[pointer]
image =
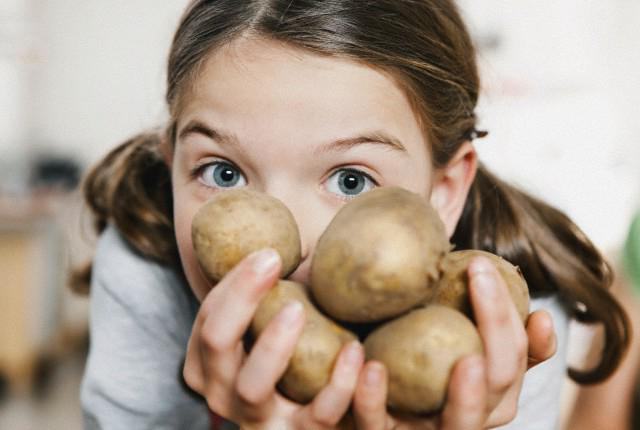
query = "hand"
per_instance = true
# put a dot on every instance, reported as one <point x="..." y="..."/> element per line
<point x="241" y="387"/>
<point x="483" y="390"/>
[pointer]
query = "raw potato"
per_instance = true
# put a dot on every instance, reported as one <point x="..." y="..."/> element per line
<point x="236" y="223"/>
<point x="419" y="351"/>
<point x="453" y="289"/>
<point x="379" y="256"/>
<point x="384" y="254"/>
<point x="312" y="362"/>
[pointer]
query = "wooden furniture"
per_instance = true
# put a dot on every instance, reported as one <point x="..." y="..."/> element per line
<point x="32" y="276"/>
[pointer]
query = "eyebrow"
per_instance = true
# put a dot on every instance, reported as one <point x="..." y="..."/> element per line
<point x="198" y="127"/>
<point x="375" y="137"/>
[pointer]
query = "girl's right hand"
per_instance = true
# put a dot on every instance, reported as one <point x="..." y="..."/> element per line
<point x="242" y="387"/>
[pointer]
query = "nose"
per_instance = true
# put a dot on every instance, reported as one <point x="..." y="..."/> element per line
<point x="302" y="273"/>
<point x="310" y="219"/>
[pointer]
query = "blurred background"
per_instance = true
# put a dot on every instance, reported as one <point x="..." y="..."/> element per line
<point x="561" y="88"/>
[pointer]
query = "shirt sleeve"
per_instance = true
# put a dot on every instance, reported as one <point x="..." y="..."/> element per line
<point x="140" y="319"/>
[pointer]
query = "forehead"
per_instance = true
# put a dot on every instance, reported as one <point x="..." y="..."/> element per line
<point x="273" y="86"/>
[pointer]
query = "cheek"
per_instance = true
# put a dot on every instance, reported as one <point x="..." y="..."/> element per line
<point x="184" y="211"/>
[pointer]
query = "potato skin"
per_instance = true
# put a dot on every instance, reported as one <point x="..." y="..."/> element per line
<point x="453" y="287"/>
<point x="321" y="340"/>
<point x="235" y="223"/>
<point x="379" y="256"/>
<point x="419" y="350"/>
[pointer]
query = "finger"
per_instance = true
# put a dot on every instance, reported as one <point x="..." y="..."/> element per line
<point x="466" y="407"/>
<point x="332" y="401"/>
<point x="369" y="403"/>
<point x="215" y="390"/>
<point x="542" y="337"/>
<point x="270" y="356"/>
<point x="228" y="310"/>
<point x="500" y="328"/>
<point x="192" y="371"/>
<point x="230" y="306"/>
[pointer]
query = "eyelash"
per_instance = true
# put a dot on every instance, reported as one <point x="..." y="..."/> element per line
<point x="197" y="170"/>
<point x="351" y="170"/>
<point x="346" y="168"/>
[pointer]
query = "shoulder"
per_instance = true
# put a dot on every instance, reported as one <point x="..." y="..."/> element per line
<point x="140" y="321"/>
<point x="116" y="259"/>
<point x="125" y="286"/>
<point x="128" y="277"/>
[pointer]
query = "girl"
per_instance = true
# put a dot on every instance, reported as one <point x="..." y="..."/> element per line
<point x="315" y="102"/>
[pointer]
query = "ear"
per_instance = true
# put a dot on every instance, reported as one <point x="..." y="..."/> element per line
<point x="451" y="185"/>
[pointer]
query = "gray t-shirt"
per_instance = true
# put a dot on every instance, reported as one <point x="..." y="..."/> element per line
<point x="141" y="318"/>
<point x="140" y="321"/>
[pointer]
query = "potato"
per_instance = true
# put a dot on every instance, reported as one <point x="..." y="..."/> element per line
<point x="382" y="268"/>
<point x="453" y="288"/>
<point x="419" y="350"/>
<point x="379" y="256"/>
<point x="236" y="223"/>
<point x="312" y="362"/>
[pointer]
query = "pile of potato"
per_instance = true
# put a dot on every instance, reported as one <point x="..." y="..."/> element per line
<point x="383" y="272"/>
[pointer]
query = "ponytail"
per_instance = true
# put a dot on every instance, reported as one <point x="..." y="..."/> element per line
<point x="554" y="256"/>
<point x="131" y="188"/>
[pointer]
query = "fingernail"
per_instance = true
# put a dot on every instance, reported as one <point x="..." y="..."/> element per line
<point x="373" y="375"/>
<point x="353" y="353"/>
<point x="290" y="314"/>
<point x="264" y="261"/>
<point x="482" y="277"/>
<point x="480" y="265"/>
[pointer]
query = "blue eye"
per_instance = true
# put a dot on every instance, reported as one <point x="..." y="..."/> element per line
<point x="349" y="182"/>
<point x="222" y="175"/>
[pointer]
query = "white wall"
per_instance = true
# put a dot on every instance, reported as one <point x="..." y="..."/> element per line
<point x="101" y="75"/>
<point x="14" y="28"/>
<point x="560" y="98"/>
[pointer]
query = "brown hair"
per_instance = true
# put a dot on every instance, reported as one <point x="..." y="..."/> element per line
<point x="425" y="46"/>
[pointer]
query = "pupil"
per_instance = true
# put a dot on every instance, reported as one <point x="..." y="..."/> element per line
<point x="351" y="182"/>
<point x="227" y="175"/>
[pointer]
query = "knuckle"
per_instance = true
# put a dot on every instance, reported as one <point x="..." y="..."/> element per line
<point x="325" y="413"/>
<point x="192" y="379"/>
<point x="248" y="394"/>
<point x="365" y="403"/>
<point x="505" y="415"/>
<point x="217" y="399"/>
<point x="268" y="345"/>
<point x="503" y="317"/>
<point x="326" y="420"/>
<point x="341" y="387"/>
<point x="471" y="404"/>
<point x="215" y="404"/>
<point x="502" y="382"/>
<point x="216" y="342"/>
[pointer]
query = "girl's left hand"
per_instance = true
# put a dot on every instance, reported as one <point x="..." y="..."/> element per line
<point x="483" y="390"/>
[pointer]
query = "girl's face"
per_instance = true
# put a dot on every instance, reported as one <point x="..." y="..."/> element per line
<point x="311" y="131"/>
